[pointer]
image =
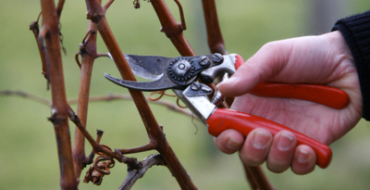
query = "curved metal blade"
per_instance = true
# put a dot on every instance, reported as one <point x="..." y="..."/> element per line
<point x="161" y="84"/>
<point x="147" y="67"/>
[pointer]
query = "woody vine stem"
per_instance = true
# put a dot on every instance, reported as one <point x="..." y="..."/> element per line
<point x="72" y="157"/>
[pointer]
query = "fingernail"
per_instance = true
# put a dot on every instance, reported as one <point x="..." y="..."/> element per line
<point x="261" y="139"/>
<point x="285" y="142"/>
<point x="234" y="144"/>
<point x="302" y="156"/>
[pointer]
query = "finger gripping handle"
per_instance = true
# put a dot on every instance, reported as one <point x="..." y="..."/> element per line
<point x="223" y="119"/>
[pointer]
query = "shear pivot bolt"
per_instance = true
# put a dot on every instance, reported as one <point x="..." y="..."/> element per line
<point x="181" y="67"/>
<point x="217" y="58"/>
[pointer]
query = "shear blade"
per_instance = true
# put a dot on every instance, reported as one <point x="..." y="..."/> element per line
<point x="163" y="83"/>
<point x="147" y="67"/>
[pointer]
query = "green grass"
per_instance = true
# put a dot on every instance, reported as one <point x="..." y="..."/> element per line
<point x="27" y="141"/>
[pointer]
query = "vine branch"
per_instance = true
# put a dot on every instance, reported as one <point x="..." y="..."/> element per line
<point x="137" y="173"/>
<point x="50" y="35"/>
<point x="173" y="29"/>
<point x="88" y="54"/>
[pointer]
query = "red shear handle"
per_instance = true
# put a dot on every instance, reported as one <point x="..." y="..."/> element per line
<point x="223" y="119"/>
<point x="325" y="95"/>
<point x="239" y="61"/>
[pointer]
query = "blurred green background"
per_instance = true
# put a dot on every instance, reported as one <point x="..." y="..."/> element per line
<point x="27" y="141"/>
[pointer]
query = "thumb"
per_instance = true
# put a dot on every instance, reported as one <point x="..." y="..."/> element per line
<point x="262" y="66"/>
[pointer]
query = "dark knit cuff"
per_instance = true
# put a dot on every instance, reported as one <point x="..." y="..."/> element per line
<point x="356" y="31"/>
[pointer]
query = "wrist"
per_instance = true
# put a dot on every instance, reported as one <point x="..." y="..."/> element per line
<point x="355" y="31"/>
<point x="338" y="42"/>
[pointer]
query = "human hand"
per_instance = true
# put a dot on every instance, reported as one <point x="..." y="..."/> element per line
<point x="323" y="59"/>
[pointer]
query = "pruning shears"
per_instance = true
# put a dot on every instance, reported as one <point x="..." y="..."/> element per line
<point x="181" y="74"/>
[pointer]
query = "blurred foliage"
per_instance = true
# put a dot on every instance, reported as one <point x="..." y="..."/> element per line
<point x="27" y="143"/>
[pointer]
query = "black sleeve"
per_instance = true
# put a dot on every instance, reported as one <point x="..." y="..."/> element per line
<point x="356" y="31"/>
